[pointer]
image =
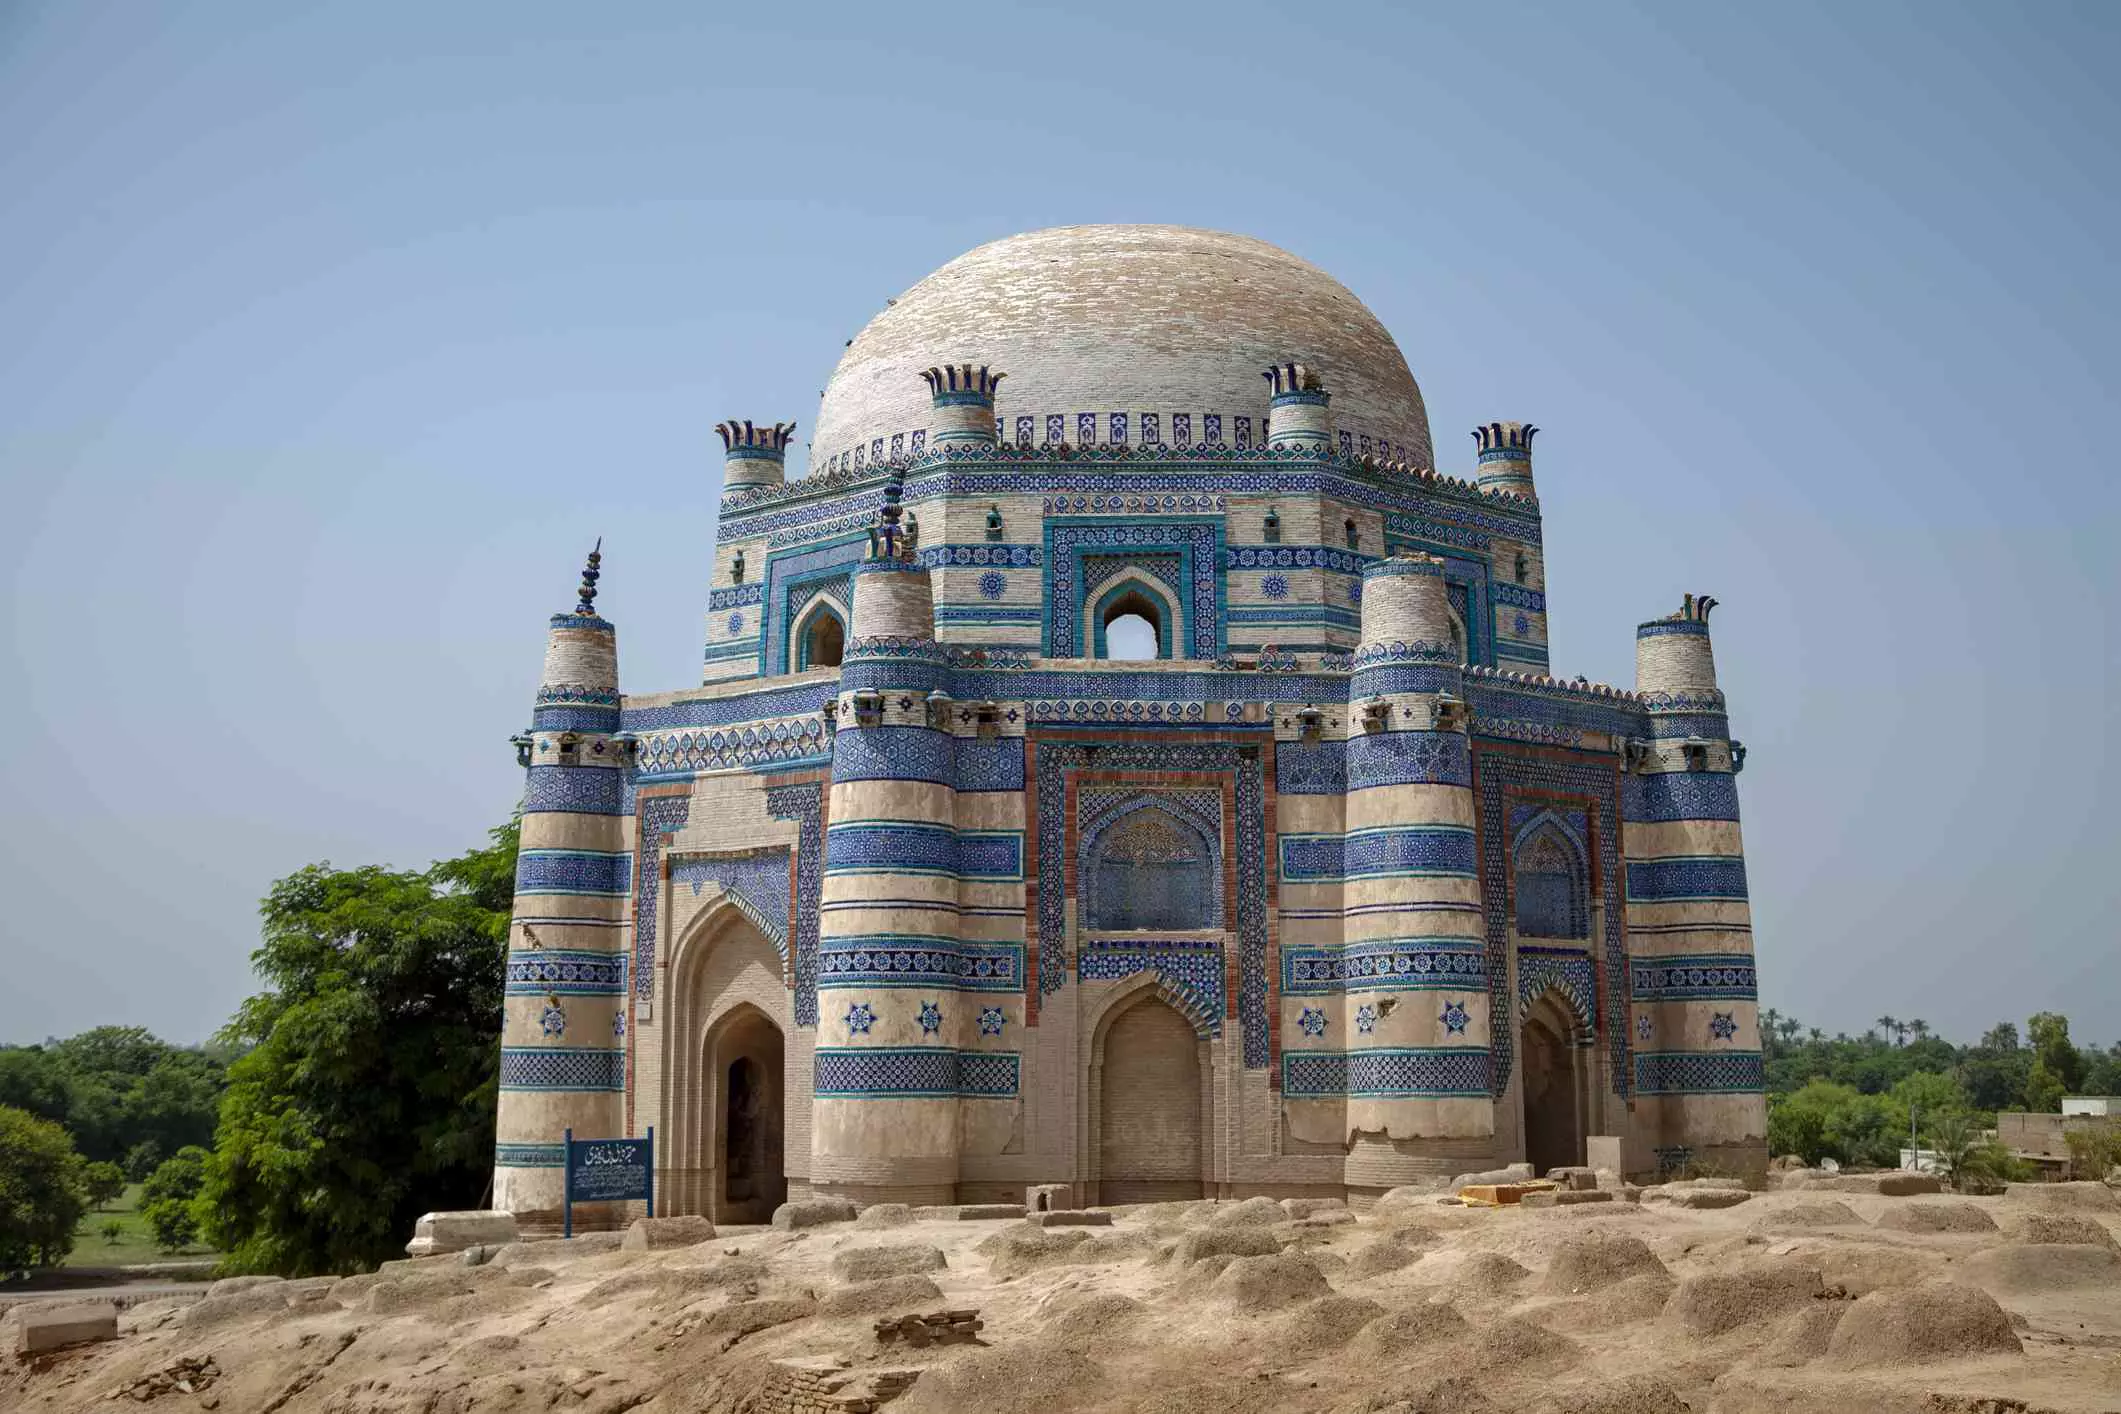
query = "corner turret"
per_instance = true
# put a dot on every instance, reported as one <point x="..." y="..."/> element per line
<point x="753" y="456"/>
<point x="1673" y="655"/>
<point x="964" y="406"/>
<point x="1299" y="414"/>
<point x="1506" y="457"/>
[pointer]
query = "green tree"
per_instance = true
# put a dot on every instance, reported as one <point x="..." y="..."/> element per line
<point x="173" y="1223"/>
<point x="104" y="1183"/>
<point x="142" y="1159"/>
<point x="178" y="1178"/>
<point x="2049" y="1033"/>
<point x="367" y="1096"/>
<point x="41" y="1191"/>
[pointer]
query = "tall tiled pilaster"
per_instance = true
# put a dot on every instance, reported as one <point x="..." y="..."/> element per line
<point x="1698" y="1076"/>
<point x="1415" y="1013"/>
<point x="563" y="1029"/>
<point x="891" y="1020"/>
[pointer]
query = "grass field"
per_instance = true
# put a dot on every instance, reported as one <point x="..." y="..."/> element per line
<point x="92" y="1249"/>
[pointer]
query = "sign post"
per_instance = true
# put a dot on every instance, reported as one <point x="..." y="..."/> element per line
<point x="607" y="1171"/>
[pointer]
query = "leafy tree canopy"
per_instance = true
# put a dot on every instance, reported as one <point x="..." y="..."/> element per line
<point x="367" y="1094"/>
<point x="116" y="1088"/>
<point x="43" y="1191"/>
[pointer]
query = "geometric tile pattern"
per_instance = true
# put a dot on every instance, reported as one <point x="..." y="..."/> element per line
<point x="572" y="871"/>
<point x="893" y="754"/>
<point x="529" y="1156"/>
<point x="562" y="1068"/>
<point x="1682" y="795"/>
<point x="1385" y="965"/>
<point x="907" y="960"/>
<point x="567" y="972"/>
<point x="1191" y="970"/>
<point x="913" y="1072"/>
<point x="1695" y="977"/>
<point x="1402" y="758"/>
<point x="1198" y="543"/>
<point x="1567" y="972"/>
<point x="579" y="790"/>
<point x="658" y="818"/>
<point x="891" y="847"/>
<point x="1697" y="1073"/>
<point x="1709" y="877"/>
<point x="996" y="765"/>
<point x="755" y="880"/>
<point x="778" y="744"/>
<point x="1382" y="852"/>
<point x="1396" y="1072"/>
<point x="804" y="803"/>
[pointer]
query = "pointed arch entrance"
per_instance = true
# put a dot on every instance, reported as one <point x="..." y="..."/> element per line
<point x="1146" y="1127"/>
<point x="1556" y="1070"/>
<point x="746" y="1055"/>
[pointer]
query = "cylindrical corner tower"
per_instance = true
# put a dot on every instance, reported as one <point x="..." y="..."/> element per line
<point x="1416" y="1010"/>
<point x="1698" y="1075"/>
<point x="563" y="1058"/>
<point x="891" y="1022"/>
<point x="963" y="399"/>
<point x="1300" y="413"/>
<point x="1506" y="456"/>
<point x="753" y="456"/>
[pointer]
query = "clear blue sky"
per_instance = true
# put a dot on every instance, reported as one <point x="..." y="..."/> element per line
<point x="331" y="335"/>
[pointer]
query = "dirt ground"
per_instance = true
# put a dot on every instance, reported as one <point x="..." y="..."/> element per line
<point x="1786" y="1301"/>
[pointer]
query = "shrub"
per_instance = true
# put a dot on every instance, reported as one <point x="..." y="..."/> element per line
<point x="172" y="1223"/>
<point x="105" y="1183"/>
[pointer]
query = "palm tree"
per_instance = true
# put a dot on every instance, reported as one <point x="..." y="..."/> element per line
<point x="1792" y="1028"/>
<point x="1919" y="1029"/>
<point x="1893" y="1027"/>
<point x="1817" y="1036"/>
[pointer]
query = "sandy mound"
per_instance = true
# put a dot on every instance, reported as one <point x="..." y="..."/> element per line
<point x="1253" y="1212"/>
<point x="876" y="1263"/>
<point x="1025" y="1377"/>
<point x="1711" y="1303"/>
<point x="2024" y="1270"/>
<point x="673" y="1285"/>
<point x="1378" y="1258"/>
<point x="2081" y="1197"/>
<point x="1861" y="1267"/>
<point x="1229" y="1242"/>
<point x="1514" y="1346"/>
<point x="1916" y="1216"/>
<point x="1476" y="1274"/>
<point x="1456" y="1394"/>
<point x="1811" y="1213"/>
<point x="1939" y="1321"/>
<point x="1092" y="1317"/>
<point x="1596" y="1260"/>
<point x="1803" y="1335"/>
<point x="1637" y="1298"/>
<point x="1015" y="1251"/>
<point x="885" y="1215"/>
<point x="1630" y="1394"/>
<point x="1411" y="1330"/>
<point x="1269" y="1283"/>
<point x="890" y="1296"/>
<point x="1328" y="1323"/>
<point x="2049" y="1228"/>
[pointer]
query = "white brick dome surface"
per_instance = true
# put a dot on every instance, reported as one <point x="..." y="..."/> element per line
<point x="1161" y="322"/>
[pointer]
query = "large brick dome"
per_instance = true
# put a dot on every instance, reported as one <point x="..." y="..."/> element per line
<point x="1142" y="322"/>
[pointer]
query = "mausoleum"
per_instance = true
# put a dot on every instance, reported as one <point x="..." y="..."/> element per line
<point x="1125" y="761"/>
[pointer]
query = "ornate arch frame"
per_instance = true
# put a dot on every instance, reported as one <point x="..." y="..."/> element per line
<point x="1583" y="886"/>
<point x="1093" y="830"/>
<point x="1170" y="630"/>
<point x="804" y="620"/>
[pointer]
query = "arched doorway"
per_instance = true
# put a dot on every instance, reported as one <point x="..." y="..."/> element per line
<point x="820" y="638"/>
<point x="1553" y="1066"/>
<point x="1149" y="1109"/>
<point x="744" y="1054"/>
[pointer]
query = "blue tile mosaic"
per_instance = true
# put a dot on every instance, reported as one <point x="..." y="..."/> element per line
<point x="1311" y="767"/>
<point x="562" y="1068"/>
<point x="891" y="847"/>
<point x="1566" y="971"/>
<point x="566" y="972"/>
<point x="1696" y="977"/>
<point x="992" y="856"/>
<point x="893" y="754"/>
<point x="529" y="1156"/>
<point x="573" y="871"/>
<point x="1386" y="1073"/>
<point x="1384" y="965"/>
<point x="757" y="881"/>
<point x="1408" y="758"/>
<point x="658" y="818"/>
<point x="1705" y="877"/>
<point x="1069" y="543"/>
<point x="1699" y="1073"/>
<point x="1680" y="795"/>
<point x="575" y="719"/>
<point x="1384" y="852"/>
<point x="996" y="765"/>
<point x="1190" y="969"/>
<point x="912" y="960"/>
<point x="914" y="1072"/>
<point x="574" y="790"/>
<point x="749" y="707"/>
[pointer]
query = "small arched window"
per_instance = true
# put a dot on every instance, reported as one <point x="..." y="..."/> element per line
<point x="1354" y="536"/>
<point x="1132" y="628"/>
<point x="820" y="640"/>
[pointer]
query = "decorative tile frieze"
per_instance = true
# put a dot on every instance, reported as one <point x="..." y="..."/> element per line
<point x="914" y="1072"/>
<point x="1387" y="1073"/>
<point x="1705" y="877"/>
<point x="1385" y="852"/>
<point x="1699" y="1073"/>
<point x="602" y="873"/>
<point x="1695" y="977"/>
<point x="755" y="880"/>
<point x="1563" y="970"/>
<point x="563" y="1068"/>
<point x="804" y="803"/>
<point x="1680" y="795"/>
<point x="574" y="790"/>
<point x="1190" y="969"/>
<point x="566" y="972"/>
<point x="1384" y="965"/>
<point x="656" y="819"/>
<point x="891" y="847"/>
<point x="911" y="960"/>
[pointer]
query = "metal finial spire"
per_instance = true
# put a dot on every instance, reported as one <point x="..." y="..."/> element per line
<point x="590" y="575"/>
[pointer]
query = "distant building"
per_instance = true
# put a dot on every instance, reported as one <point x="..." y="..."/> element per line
<point x="2108" y="1106"/>
<point x="2043" y="1139"/>
<point x="928" y="893"/>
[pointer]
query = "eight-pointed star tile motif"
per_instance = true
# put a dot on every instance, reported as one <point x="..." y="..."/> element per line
<point x="860" y="1017"/>
<point x="991" y="1021"/>
<point x="554" y="1020"/>
<point x="1722" y="1025"/>
<point x="1366" y="1019"/>
<point x="1312" y="1022"/>
<point x="1454" y="1018"/>
<point x="931" y="1018"/>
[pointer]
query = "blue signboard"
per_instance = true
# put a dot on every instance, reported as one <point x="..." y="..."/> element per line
<point x="608" y="1171"/>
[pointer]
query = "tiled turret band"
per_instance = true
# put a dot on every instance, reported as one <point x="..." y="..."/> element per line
<point x="891" y="1021"/>
<point x="963" y="399"/>
<point x="753" y="455"/>
<point x="1506" y="456"/>
<point x="1300" y="415"/>
<point x="1697" y="1054"/>
<point x="563" y="1058"/>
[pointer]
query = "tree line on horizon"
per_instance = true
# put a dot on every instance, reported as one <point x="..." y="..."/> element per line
<point x="357" y="1090"/>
